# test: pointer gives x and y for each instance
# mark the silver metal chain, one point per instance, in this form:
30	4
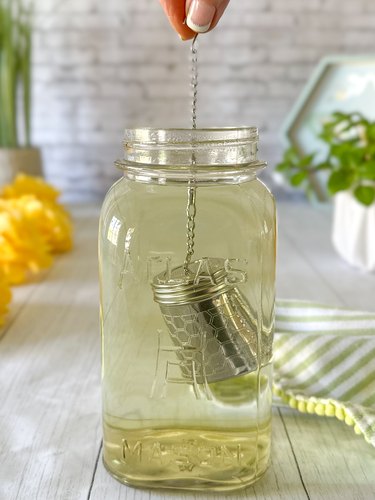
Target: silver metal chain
191	211
191	208
194	81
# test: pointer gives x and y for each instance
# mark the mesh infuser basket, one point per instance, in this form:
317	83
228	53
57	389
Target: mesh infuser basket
210	319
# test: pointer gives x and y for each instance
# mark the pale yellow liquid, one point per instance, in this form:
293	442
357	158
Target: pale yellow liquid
222	455
187	458
160	430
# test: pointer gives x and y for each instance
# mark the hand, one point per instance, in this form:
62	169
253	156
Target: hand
201	15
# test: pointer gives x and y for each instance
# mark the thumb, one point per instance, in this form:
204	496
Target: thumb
203	15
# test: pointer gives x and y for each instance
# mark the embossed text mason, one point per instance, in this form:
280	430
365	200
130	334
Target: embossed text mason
187	270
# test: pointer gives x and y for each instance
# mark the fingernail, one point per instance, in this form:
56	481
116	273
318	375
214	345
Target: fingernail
200	16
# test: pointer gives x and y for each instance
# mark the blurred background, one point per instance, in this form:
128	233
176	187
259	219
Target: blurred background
102	66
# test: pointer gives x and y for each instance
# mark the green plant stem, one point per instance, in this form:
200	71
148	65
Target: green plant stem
25	70
8	79
15	71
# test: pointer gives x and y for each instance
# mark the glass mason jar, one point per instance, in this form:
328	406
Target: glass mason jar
187	270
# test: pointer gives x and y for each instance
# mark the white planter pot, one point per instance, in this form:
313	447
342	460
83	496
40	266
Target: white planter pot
353	232
15	160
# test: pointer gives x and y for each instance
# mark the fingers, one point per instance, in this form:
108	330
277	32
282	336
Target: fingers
176	13
203	15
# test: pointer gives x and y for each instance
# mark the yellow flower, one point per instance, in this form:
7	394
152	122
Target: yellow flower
26	184
5	296
50	219
38	201
23	249
33	225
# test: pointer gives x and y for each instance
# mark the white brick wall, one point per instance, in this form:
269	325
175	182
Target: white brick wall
101	66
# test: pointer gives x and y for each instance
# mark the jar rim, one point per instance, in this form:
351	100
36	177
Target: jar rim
173	136
178	153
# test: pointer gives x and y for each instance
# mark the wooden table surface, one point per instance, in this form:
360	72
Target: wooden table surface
50	428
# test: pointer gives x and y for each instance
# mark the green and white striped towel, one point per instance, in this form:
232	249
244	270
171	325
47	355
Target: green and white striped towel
324	362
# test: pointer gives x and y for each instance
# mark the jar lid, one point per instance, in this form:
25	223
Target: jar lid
203	280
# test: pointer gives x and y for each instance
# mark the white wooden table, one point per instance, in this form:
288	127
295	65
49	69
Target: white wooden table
50	428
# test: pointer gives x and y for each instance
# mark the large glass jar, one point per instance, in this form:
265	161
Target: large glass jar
187	270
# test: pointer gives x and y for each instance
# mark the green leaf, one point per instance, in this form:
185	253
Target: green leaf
370	150
371	132
347	154
327	135
365	194
291	156
307	161
281	167
338	116
367	170
340	180
298	178
323	166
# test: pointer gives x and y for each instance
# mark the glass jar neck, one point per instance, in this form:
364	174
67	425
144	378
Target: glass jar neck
212	155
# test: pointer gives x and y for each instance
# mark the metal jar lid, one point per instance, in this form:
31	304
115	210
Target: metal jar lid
204	279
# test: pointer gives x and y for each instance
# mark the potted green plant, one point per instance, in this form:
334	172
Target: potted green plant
15	92
350	167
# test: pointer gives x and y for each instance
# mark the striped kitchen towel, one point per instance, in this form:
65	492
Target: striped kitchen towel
324	362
